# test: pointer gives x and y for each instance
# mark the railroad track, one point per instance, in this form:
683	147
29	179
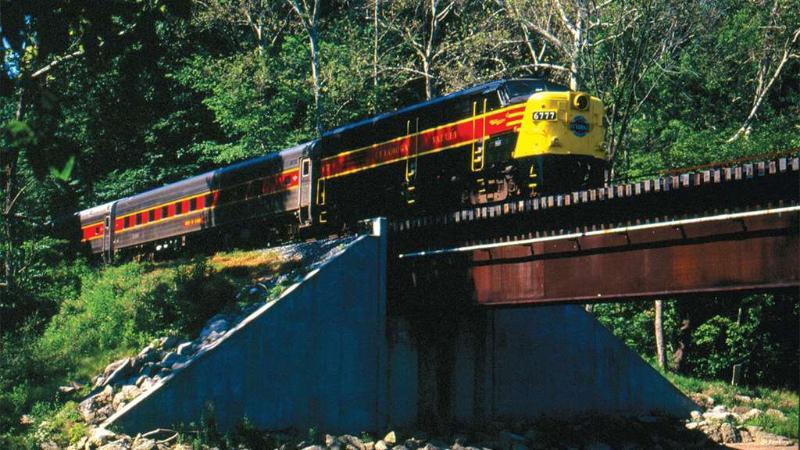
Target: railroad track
725	193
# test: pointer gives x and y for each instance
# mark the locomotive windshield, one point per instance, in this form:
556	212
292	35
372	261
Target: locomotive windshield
516	89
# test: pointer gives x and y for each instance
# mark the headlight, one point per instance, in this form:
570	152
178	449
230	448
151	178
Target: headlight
580	101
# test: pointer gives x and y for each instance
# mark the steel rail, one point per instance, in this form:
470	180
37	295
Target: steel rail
625	229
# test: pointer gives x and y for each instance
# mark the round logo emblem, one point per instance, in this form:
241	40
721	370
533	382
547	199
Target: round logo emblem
579	126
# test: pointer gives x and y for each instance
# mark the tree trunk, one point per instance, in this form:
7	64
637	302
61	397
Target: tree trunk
426	69
375	48
312	38
9	186
684	340
659	325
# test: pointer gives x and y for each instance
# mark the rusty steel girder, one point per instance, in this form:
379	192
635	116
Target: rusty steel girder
751	253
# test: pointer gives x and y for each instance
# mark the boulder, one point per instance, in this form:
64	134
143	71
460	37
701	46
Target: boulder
100	436
126	394
166	343
111	368
743	398
169	359
81	444
185	349
217	323
350	440
116	445
143	381
142	443
98	381
212	337
381	445
72	387
390	438
148	354
752	414
103	413
729	434
330	440
120	371
719	416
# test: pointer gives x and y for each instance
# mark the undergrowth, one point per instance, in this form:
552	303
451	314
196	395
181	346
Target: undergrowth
117	311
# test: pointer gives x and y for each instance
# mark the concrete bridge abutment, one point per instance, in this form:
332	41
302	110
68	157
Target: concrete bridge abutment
360	346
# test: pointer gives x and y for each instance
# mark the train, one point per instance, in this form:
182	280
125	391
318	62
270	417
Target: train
510	138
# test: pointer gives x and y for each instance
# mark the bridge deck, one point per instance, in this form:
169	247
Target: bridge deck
729	229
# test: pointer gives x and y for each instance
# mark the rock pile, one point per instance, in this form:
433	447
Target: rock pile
125	379
103	439
596	433
729	426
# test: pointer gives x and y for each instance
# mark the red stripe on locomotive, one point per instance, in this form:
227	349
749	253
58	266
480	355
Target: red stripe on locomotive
445	136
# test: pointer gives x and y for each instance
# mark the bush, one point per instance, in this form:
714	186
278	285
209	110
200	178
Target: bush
123	308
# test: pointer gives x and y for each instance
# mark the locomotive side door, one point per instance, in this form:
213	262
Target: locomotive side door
305	198
478	159
478	151
108	233
412	130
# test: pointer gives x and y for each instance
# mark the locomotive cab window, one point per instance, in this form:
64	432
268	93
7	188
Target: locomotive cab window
519	89
306	167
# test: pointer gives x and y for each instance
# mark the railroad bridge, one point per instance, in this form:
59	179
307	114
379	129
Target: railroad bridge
471	315
716	230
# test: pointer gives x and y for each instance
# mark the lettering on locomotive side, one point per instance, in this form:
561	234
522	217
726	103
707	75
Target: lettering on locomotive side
193	222
445	135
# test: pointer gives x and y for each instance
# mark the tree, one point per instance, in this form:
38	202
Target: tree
779	44
422	26
43	44
661	356
307	12
617	51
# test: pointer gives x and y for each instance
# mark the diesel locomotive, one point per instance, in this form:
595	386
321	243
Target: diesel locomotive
504	139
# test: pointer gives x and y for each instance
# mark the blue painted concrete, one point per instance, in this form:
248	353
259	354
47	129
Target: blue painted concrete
315	357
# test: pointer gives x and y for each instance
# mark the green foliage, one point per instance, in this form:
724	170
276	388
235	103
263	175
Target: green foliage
633	322
116	311
123	308
758	331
